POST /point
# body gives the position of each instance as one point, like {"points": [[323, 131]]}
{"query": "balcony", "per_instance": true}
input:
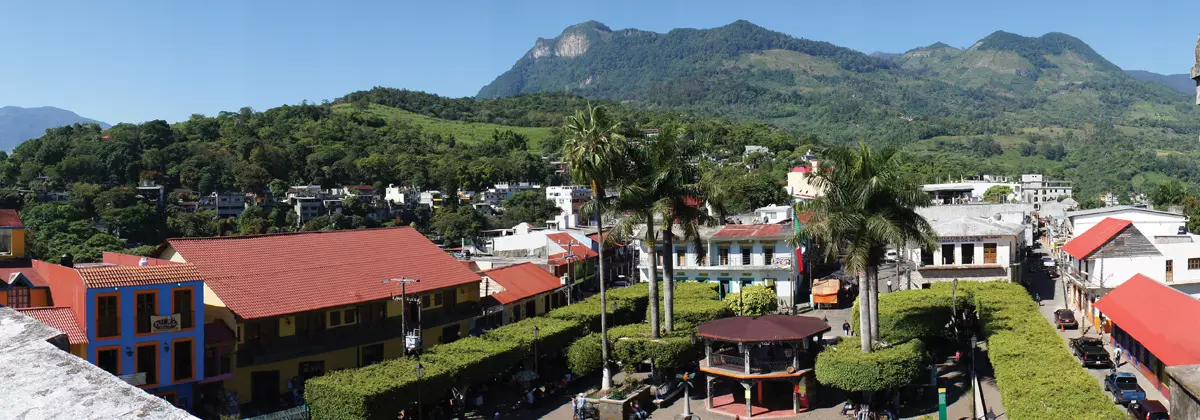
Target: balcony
{"points": [[773, 360]]}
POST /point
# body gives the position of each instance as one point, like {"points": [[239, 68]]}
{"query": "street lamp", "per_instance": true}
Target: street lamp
{"points": [[420, 371], [404, 281]]}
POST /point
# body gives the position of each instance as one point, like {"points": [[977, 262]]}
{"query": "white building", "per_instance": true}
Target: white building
{"points": [[772, 214], [398, 195], [733, 256], [229, 204], [569, 199], [968, 191], [970, 246], [1036, 190], [1149, 222]]}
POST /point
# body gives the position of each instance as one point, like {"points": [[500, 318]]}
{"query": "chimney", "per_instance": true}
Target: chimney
{"points": [[67, 260]]}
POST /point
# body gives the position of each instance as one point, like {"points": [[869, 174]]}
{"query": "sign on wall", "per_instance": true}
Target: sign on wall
{"points": [[169, 323], [966, 238]]}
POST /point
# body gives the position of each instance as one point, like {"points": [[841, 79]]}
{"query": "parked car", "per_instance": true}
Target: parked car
{"points": [[1091, 352], [1124, 388], [1148, 410], [1065, 318], [1052, 273], [1048, 262], [891, 255]]}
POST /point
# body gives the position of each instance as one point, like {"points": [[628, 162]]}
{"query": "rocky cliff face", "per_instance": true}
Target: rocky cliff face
{"points": [[1196, 71], [573, 42]]}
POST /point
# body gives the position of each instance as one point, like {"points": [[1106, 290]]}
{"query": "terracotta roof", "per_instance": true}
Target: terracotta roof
{"points": [[571, 246], [124, 275], [7, 269], [259, 276], [521, 281], [749, 231], [758, 329], [10, 218], [61, 319], [1084, 245], [1161, 318]]}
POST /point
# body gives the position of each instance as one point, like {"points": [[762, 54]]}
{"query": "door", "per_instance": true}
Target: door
{"points": [[948, 254], [264, 388], [989, 253], [725, 287], [1170, 271], [968, 254]]}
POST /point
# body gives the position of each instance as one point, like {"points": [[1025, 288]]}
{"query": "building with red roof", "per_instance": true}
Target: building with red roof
{"points": [[306, 303], [522, 290], [1154, 324]]}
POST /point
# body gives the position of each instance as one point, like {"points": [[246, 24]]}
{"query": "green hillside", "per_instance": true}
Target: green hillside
{"points": [[469, 132]]}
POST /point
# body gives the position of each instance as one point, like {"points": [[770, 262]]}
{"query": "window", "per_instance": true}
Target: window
{"points": [[350, 316], [948, 254], [659, 254], [182, 304], [147, 362], [745, 255], [703, 258], [768, 254], [109, 359], [723, 256], [6, 241], [184, 360], [546, 302], [147, 306], [426, 302], [108, 324], [989, 253], [680, 257], [1170, 271], [18, 297], [1193, 264], [371, 354], [437, 299], [335, 318]]}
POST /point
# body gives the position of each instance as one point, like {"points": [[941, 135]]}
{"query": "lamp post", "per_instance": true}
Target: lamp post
{"points": [[535, 351], [420, 371], [404, 281]]}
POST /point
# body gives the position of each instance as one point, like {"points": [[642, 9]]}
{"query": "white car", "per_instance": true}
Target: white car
{"points": [[1048, 262], [891, 255]]}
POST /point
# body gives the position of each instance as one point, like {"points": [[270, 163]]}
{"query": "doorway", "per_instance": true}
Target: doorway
{"points": [[968, 254], [264, 388], [948, 254]]}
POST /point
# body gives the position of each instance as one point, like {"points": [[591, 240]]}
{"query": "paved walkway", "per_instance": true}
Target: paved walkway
{"points": [[1053, 298]]}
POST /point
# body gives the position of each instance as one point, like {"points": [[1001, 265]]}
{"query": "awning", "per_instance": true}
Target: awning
{"points": [[1161, 318], [826, 291]]}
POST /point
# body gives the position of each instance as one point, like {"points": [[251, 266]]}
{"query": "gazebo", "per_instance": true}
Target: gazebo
{"points": [[764, 354]]}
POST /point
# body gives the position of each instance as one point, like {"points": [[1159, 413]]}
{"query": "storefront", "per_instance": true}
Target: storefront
{"points": [[1154, 325]]}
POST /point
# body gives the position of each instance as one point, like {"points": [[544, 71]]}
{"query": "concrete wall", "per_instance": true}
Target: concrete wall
{"points": [[1006, 248], [1149, 223], [1185, 391]]}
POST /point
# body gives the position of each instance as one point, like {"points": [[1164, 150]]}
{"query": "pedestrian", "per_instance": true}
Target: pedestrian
{"points": [[846, 328], [889, 283], [1117, 359], [1037, 298]]}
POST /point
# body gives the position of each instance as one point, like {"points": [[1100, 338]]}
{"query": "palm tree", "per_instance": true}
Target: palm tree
{"points": [[867, 204], [596, 155], [633, 209], [676, 182]]}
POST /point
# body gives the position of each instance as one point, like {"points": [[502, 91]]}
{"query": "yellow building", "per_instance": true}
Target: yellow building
{"points": [[20, 285], [302, 304]]}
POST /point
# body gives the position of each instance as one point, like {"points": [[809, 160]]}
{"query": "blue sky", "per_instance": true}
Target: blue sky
{"points": [[132, 61]]}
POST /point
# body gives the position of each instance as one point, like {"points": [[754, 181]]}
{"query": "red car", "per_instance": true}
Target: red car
{"points": [[1148, 410], [1065, 318]]}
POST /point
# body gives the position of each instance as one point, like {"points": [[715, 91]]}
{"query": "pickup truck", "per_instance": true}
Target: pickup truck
{"points": [[1124, 387], [1091, 352]]}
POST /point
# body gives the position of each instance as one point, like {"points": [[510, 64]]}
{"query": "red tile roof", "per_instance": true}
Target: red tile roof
{"points": [[1161, 318], [521, 281], [10, 218], [61, 319], [748, 231], [24, 267], [261, 276], [571, 245], [124, 275], [804, 169], [1084, 245]]}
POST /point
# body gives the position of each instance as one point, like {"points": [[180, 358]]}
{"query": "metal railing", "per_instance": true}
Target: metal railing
{"points": [[757, 365]]}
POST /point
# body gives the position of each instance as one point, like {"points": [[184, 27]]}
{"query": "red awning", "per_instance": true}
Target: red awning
{"points": [[1161, 318]]}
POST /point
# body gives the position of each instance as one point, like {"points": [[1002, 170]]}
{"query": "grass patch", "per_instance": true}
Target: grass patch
{"points": [[470, 132]]}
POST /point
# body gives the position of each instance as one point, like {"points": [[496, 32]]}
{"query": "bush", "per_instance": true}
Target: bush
{"points": [[845, 366], [699, 311], [587, 312], [914, 314], [553, 334], [632, 344], [752, 301], [696, 290]]}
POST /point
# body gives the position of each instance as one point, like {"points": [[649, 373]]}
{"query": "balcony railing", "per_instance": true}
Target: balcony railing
{"points": [[758, 366]]}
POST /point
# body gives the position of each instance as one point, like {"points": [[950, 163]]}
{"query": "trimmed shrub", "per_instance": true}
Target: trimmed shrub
{"points": [[553, 334], [698, 311], [696, 290], [845, 366], [915, 314], [632, 344], [587, 312], [752, 301]]}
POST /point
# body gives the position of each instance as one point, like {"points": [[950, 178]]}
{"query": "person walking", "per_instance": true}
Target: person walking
{"points": [[846, 328], [889, 284], [1117, 359]]}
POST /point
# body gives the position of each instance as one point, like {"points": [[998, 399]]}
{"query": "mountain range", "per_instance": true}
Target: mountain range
{"points": [[18, 124], [1181, 82]]}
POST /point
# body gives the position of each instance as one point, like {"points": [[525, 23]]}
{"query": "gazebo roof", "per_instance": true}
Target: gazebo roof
{"points": [[766, 328]]}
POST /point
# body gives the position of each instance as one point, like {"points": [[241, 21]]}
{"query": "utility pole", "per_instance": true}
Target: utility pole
{"points": [[404, 304]]}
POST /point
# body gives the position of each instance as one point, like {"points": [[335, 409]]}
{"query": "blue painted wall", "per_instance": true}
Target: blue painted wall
{"points": [[129, 339]]}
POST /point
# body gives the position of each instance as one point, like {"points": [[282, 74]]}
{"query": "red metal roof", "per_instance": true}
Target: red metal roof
{"points": [[748, 231], [10, 218], [260, 276], [124, 275], [521, 281], [1084, 245], [759, 329], [804, 169], [1161, 318], [61, 319], [571, 246]]}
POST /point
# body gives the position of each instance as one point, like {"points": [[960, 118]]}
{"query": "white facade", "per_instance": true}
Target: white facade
{"points": [[723, 262], [1036, 189], [773, 214], [972, 242], [225, 204], [968, 191], [569, 200], [1150, 222], [396, 194]]}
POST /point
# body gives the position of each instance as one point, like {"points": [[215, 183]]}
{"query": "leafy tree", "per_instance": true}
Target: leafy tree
{"points": [[868, 205], [1027, 149], [1053, 151], [986, 147], [1167, 194], [456, 225], [596, 155], [997, 193], [752, 301], [528, 207]]}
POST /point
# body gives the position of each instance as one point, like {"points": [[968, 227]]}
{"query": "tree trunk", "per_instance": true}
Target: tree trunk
{"points": [[605, 378], [669, 279], [864, 312], [874, 271], [653, 280]]}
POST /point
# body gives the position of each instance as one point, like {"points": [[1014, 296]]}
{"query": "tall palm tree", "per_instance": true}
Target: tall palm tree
{"points": [[633, 209], [596, 155], [868, 203], [677, 184]]}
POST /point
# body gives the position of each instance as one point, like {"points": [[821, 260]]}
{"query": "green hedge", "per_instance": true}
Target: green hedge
{"points": [[1037, 377], [632, 344], [845, 366], [696, 290], [699, 311], [587, 312], [553, 334], [758, 300], [919, 314]]}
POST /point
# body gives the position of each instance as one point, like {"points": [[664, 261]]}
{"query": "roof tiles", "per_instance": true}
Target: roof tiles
{"points": [[521, 281], [261, 276], [10, 219], [124, 275], [749, 231], [61, 319]]}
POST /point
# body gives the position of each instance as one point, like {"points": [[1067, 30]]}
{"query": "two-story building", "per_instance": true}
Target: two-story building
{"points": [[733, 256], [141, 321], [226, 204], [302, 304], [520, 291]]}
